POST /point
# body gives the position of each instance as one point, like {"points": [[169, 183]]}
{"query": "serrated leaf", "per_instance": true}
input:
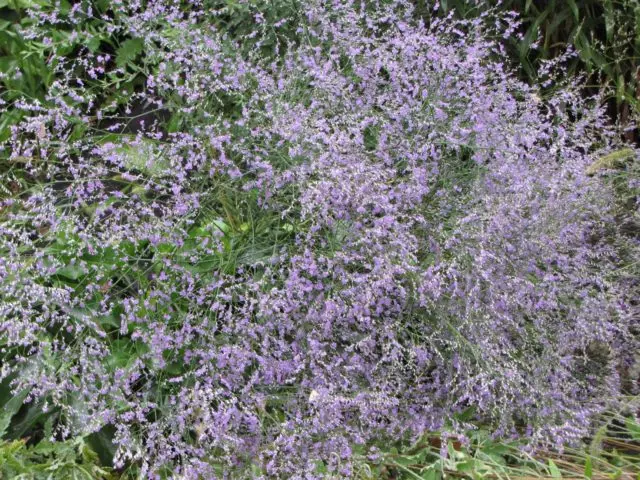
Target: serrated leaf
{"points": [[466, 414], [144, 155], [531, 36], [93, 44], [123, 352], [102, 444], [128, 51], [173, 125]]}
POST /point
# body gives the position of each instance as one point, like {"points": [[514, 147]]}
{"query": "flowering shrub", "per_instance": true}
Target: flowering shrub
{"points": [[282, 246]]}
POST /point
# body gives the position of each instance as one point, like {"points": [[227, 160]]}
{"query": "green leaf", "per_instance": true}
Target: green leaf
{"points": [[431, 474], [574, 8], [123, 352], [554, 470], [173, 125], [620, 89], [93, 44], [531, 36], [144, 156], [466, 414], [609, 20], [33, 415], [102, 443], [222, 226], [128, 51], [71, 272], [611, 161], [633, 428], [527, 6], [588, 468], [466, 466], [10, 409]]}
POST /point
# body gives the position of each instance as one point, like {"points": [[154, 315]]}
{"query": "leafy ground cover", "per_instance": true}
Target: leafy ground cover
{"points": [[320, 240]]}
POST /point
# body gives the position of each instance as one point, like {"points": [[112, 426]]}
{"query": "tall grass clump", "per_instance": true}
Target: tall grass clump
{"points": [[264, 252]]}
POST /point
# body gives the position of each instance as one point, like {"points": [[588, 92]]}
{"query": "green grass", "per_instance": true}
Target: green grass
{"points": [[612, 453]]}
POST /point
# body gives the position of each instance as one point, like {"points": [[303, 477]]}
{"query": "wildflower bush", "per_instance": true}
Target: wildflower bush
{"points": [[251, 240]]}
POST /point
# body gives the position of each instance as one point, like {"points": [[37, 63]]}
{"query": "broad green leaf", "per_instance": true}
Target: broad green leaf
{"points": [[48, 426], [123, 352], [531, 35], [609, 20], [72, 272], [554, 470], [7, 63], [144, 156], [221, 225], [128, 51], [466, 466], [466, 415], [431, 474], [9, 410], [33, 415], [173, 125], [93, 44], [102, 443]]}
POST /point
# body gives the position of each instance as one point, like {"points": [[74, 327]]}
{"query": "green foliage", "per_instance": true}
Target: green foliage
{"points": [[612, 161], [23, 67], [617, 456], [605, 34], [70, 460], [241, 18], [128, 51]]}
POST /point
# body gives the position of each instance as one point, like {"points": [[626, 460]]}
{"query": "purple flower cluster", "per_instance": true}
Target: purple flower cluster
{"points": [[444, 248]]}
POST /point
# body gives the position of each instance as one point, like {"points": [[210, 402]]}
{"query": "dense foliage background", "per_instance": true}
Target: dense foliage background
{"points": [[604, 34], [386, 239]]}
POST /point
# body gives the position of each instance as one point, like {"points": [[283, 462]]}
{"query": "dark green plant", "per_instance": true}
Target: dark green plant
{"points": [[604, 33]]}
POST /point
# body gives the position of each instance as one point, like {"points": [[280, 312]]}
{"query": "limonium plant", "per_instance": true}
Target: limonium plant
{"points": [[284, 245]]}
